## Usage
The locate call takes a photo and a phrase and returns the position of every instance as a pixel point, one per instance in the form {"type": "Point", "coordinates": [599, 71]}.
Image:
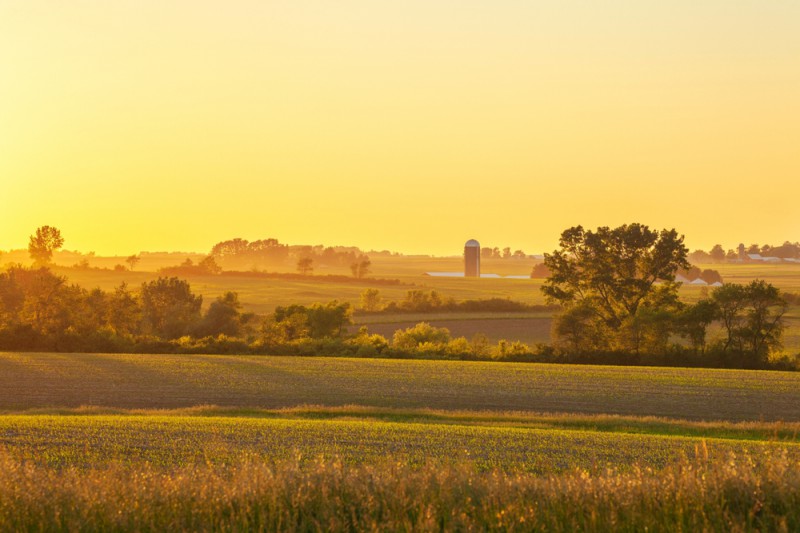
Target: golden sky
{"type": "Point", "coordinates": [413, 126]}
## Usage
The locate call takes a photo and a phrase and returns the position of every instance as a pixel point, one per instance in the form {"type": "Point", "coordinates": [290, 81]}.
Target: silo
{"type": "Point", "coordinates": [472, 259]}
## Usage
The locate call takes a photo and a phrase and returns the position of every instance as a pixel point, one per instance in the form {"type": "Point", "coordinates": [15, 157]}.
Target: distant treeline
{"type": "Point", "coordinates": [241, 253]}
{"type": "Point", "coordinates": [718, 254]}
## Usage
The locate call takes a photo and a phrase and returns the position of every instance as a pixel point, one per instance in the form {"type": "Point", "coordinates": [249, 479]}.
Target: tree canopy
{"type": "Point", "coordinates": [613, 271]}
{"type": "Point", "coordinates": [43, 243]}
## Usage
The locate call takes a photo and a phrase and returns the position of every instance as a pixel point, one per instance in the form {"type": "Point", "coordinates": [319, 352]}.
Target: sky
{"type": "Point", "coordinates": [153, 125]}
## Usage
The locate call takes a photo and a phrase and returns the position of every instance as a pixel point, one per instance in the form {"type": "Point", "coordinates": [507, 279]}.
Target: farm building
{"type": "Point", "coordinates": [472, 259]}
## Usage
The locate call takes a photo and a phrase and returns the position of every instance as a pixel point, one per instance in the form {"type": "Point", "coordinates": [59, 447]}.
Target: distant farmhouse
{"type": "Point", "coordinates": [744, 257]}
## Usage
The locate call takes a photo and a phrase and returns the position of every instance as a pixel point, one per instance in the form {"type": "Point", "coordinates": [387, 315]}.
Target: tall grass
{"type": "Point", "coordinates": [739, 494]}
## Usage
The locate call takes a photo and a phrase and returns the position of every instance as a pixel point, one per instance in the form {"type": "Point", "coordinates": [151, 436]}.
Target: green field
{"type": "Point", "coordinates": [201, 442]}
{"type": "Point", "coordinates": [356, 437]}
{"type": "Point", "coordinates": [89, 409]}
{"type": "Point", "coordinates": [48, 380]}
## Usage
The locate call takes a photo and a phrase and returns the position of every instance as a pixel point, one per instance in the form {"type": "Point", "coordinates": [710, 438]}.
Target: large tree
{"type": "Point", "coordinates": [43, 243]}
{"type": "Point", "coordinates": [613, 272]}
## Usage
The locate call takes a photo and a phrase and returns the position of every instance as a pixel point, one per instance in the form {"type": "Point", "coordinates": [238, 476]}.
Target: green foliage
{"type": "Point", "coordinates": [693, 322]}
{"type": "Point", "coordinates": [606, 281]}
{"type": "Point", "coordinates": [421, 334]}
{"type": "Point", "coordinates": [752, 317]}
{"type": "Point", "coordinates": [509, 350]}
{"type": "Point", "coordinates": [371, 300]}
{"type": "Point", "coordinates": [169, 308]}
{"type": "Point", "coordinates": [368, 345]}
{"type": "Point", "coordinates": [578, 329]}
{"type": "Point", "coordinates": [224, 317]}
{"type": "Point", "coordinates": [296, 322]}
{"type": "Point", "coordinates": [612, 270]}
{"type": "Point", "coordinates": [43, 243]}
{"type": "Point", "coordinates": [419, 300]}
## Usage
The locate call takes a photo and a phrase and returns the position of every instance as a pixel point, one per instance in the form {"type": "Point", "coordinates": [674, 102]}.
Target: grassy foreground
{"type": "Point", "coordinates": [331, 496]}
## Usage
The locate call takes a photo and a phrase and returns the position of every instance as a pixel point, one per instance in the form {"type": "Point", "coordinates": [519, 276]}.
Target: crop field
{"type": "Point", "coordinates": [93, 440]}
{"type": "Point", "coordinates": [48, 380]}
{"type": "Point", "coordinates": [200, 442]}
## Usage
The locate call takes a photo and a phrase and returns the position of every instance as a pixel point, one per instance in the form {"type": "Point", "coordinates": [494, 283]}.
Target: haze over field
{"type": "Point", "coordinates": [410, 126]}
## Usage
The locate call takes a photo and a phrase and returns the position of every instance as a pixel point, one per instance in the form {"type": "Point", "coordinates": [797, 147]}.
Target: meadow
{"type": "Point", "coordinates": [54, 380]}
{"type": "Point", "coordinates": [147, 442]}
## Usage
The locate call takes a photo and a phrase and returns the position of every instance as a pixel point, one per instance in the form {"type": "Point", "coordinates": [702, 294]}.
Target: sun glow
{"type": "Point", "coordinates": [412, 126]}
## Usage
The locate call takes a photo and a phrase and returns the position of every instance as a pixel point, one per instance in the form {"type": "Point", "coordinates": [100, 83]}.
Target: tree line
{"type": "Point", "coordinates": [718, 254]}
{"type": "Point", "coordinates": [42, 311]}
{"type": "Point", "coordinates": [241, 253]}
{"type": "Point", "coordinates": [618, 295]}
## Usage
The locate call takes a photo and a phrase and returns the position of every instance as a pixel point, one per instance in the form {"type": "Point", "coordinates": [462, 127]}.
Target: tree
{"type": "Point", "coordinates": [169, 309]}
{"type": "Point", "coordinates": [729, 301]}
{"type": "Point", "coordinates": [540, 270]}
{"type": "Point", "coordinates": [752, 317]}
{"type": "Point", "coordinates": [506, 253]}
{"type": "Point", "coordinates": [371, 300]}
{"type": "Point", "coordinates": [124, 312]}
{"type": "Point", "coordinates": [421, 334]}
{"type": "Point", "coordinates": [717, 253]}
{"type": "Point", "coordinates": [711, 276]}
{"type": "Point", "coordinates": [613, 271]}
{"type": "Point", "coordinates": [649, 329]}
{"type": "Point", "coordinates": [231, 248]}
{"type": "Point", "coordinates": [133, 261]}
{"type": "Point", "coordinates": [43, 243]}
{"type": "Point", "coordinates": [318, 321]}
{"type": "Point", "coordinates": [305, 265]}
{"type": "Point", "coordinates": [419, 300]}
{"type": "Point", "coordinates": [700, 257]}
{"type": "Point", "coordinates": [209, 266]}
{"type": "Point", "coordinates": [223, 317]}
{"type": "Point", "coordinates": [39, 300]}
{"type": "Point", "coordinates": [693, 323]}
{"type": "Point", "coordinates": [578, 330]}
{"type": "Point", "coordinates": [361, 267]}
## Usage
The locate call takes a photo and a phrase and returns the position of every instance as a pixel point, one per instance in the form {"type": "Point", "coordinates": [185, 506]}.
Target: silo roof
{"type": "Point", "coordinates": [472, 243]}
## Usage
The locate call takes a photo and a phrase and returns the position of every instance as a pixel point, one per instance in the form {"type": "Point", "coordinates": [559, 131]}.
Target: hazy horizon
{"type": "Point", "coordinates": [410, 127]}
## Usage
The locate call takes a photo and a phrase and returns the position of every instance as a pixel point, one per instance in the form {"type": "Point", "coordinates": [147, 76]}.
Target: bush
{"type": "Point", "coordinates": [423, 333]}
